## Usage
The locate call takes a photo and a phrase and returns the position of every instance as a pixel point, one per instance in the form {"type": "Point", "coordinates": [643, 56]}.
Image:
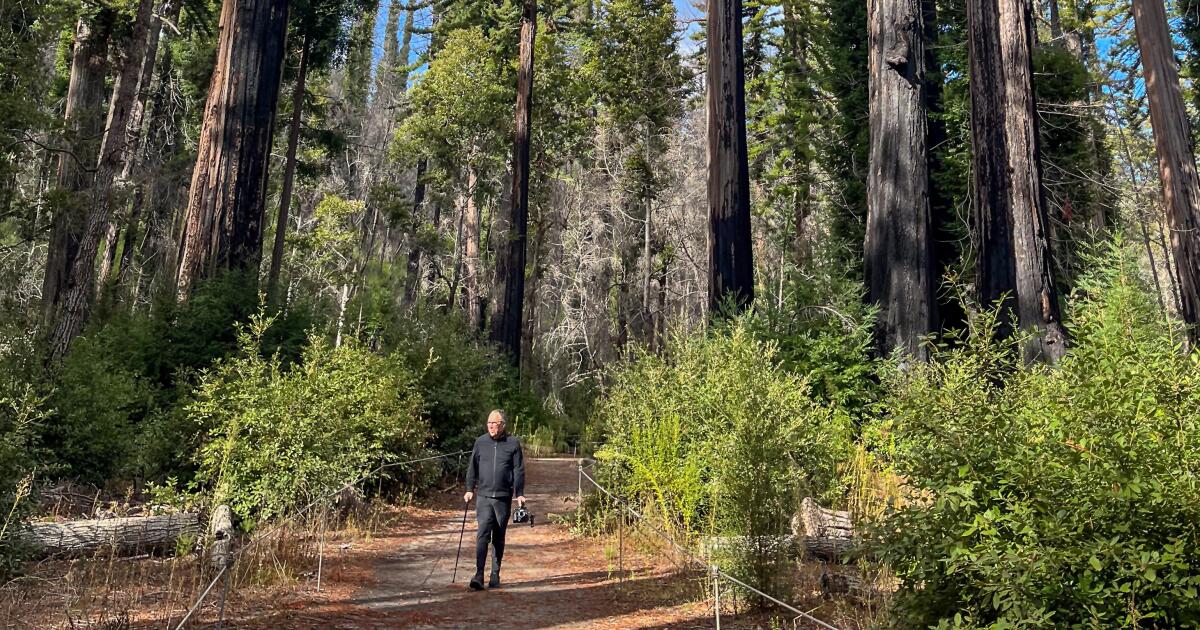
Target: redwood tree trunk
{"type": "Point", "coordinates": [510, 266]}
{"type": "Point", "coordinates": [1176, 160]}
{"type": "Point", "coordinates": [225, 206]}
{"type": "Point", "coordinates": [1010, 212]}
{"type": "Point", "coordinates": [898, 252]}
{"type": "Point", "coordinates": [84, 113]}
{"type": "Point", "coordinates": [78, 292]}
{"type": "Point", "coordinates": [730, 259]}
{"type": "Point", "coordinates": [289, 171]}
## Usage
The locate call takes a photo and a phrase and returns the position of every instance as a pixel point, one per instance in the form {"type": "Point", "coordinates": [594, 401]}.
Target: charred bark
{"type": "Point", "coordinates": [510, 264]}
{"type": "Point", "coordinates": [898, 253]}
{"type": "Point", "coordinates": [730, 258]}
{"type": "Point", "coordinates": [1013, 269]}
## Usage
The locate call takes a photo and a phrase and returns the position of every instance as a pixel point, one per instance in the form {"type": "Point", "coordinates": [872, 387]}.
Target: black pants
{"type": "Point", "coordinates": [492, 516]}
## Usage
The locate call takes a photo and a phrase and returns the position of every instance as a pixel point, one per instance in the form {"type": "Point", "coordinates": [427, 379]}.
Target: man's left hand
{"type": "Point", "coordinates": [521, 501]}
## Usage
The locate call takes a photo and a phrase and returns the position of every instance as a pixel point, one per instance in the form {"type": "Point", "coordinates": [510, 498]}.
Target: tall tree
{"type": "Point", "coordinates": [79, 290]}
{"type": "Point", "coordinates": [898, 250]}
{"type": "Point", "coordinates": [1176, 161]}
{"type": "Point", "coordinates": [135, 166]}
{"type": "Point", "coordinates": [730, 259]}
{"type": "Point", "coordinates": [84, 112]}
{"type": "Point", "coordinates": [1010, 214]}
{"type": "Point", "coordinates": [507, 311]}
{"type": "Point", "coordinates": [289, 169]}
{"type": "Point", "coordinates": [223, 228]}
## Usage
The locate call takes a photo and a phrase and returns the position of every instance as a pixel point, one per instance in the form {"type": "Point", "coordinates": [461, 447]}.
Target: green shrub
{"type": "Point", "coordinates": [118, 397]}
{"type": "Point", "coordinates": [460, 379]}
{"type": "Point", "coordinates": [823, 330]}
{"type": "Point", "coordinates": [99, 399]}
{"type": "Point", "coordinates": [1062, 497]}
{"type": "Point", "coordinates": [21, 410]}
{"type": "Point", "coordinates": [276, 438]}
{"type": "Point", "coordinates": [720, 441]}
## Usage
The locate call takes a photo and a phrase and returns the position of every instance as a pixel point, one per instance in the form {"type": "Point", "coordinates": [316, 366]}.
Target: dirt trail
{"type": "Point", "coordinates": [551, 579]}
{"type": "Point", "coordinates": [399, 576]}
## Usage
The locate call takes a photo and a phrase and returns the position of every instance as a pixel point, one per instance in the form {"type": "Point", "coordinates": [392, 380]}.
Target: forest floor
{"type": "Point", "coordinates": [400, 576]}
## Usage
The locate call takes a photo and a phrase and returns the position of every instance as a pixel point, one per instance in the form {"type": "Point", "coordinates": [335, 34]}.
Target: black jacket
{"type": "Point", "coordinates": [497, 467]}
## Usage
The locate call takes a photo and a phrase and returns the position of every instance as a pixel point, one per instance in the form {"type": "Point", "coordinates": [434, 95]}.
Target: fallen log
{"type": "Point", "coordinates": [817, 532]}
{"type": "Point", "coordinates": [122, 536]}
{"type": "Point", "coordinates": [828, 549]}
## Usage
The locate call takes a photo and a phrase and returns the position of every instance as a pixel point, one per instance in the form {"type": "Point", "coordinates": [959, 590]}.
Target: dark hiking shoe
{"type": "Point", "coordinates": [494, 582]}
{"type": "Point", "coordinates": [477, 582]}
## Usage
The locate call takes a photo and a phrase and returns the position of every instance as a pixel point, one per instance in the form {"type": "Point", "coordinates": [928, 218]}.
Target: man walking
{"type": "Point", "coordinates": [497, 472]}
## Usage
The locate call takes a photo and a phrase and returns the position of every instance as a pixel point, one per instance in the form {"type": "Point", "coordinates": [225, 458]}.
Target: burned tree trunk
{"type": "Point", "coordinates": [898, 260]}
{"type": "Point", "coordinates": [1013, 268]}
{"type": "Point", "coordinates": [1176, 160]}
{"type": "Point", "coordinates": [223, 227]}
{"type": "Point", "coordinates": [730, 258]}
{"type": "Point", "coordinates": [510, 265]}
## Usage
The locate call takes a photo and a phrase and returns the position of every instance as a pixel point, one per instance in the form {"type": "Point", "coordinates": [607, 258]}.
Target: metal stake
{"type": "Point", "coordinates": [321, 550]}
{"type": "Point", "coordinates": [716, 579]}
{"type": "Point", "coordinates": [621, 547]}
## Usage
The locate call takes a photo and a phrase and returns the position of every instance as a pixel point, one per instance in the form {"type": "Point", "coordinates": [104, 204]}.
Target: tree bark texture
{"type": "Point", "coordinates": [898, 260]}
{"type": "Point", "coordinates": [730, 258]}
{"type": "Point", "coordinates": [84, 113]}
{"type": "Point", "coordinates": [223, 229]}
{"type": "Point", "coordinates": [1176, 160]}
{"type": "Point", "coordinates": [77, 295]}
{"type": "Point", "coordinates": [510, 265]}
{"type": "Point", "coordinates": [289, 171]}
{"type": "Point", "coordinates": [1014, 267]}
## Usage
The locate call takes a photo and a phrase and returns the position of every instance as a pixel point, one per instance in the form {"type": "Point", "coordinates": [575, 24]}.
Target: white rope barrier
{"type": "Point", "coordinates": [716, 570]}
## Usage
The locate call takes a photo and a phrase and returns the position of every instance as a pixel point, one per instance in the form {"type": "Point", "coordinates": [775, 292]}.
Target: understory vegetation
{"type": "Point", "coordinates": [931, 267]}
{"type": "Point", "coordinates": [1018, 495]}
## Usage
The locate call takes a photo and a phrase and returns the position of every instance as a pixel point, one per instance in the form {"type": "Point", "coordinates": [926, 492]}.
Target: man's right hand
{"type": "Point", "coordinates": [467, 497]}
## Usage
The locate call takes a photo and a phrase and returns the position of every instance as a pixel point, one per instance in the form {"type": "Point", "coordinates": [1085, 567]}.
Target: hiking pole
{"type": "Point", "coordinates": [462, 531]}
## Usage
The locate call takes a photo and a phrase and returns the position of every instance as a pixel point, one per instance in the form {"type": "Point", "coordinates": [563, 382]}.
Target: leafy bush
{"type": "Point", "coordinates": [277, 438]}
{"type": "Point", "coordinates": [460, 379]}
{"type": "Point", "coordinates": [21, 410]}
{"type": "Point", "coordinates": [718, 440]}
{"type": "Point", "coordinates": [1063, 497]}
{"type": "Point", "coordinates": [823, 330]}
{"type": "Point", "coordinates": [99, 400]}
{"type": "Point", "coordinates": [118, 396]}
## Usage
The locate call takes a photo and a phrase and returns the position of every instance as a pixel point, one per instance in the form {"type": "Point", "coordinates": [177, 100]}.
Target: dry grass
{"type": "Point", "coordinates": [105, 591]}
